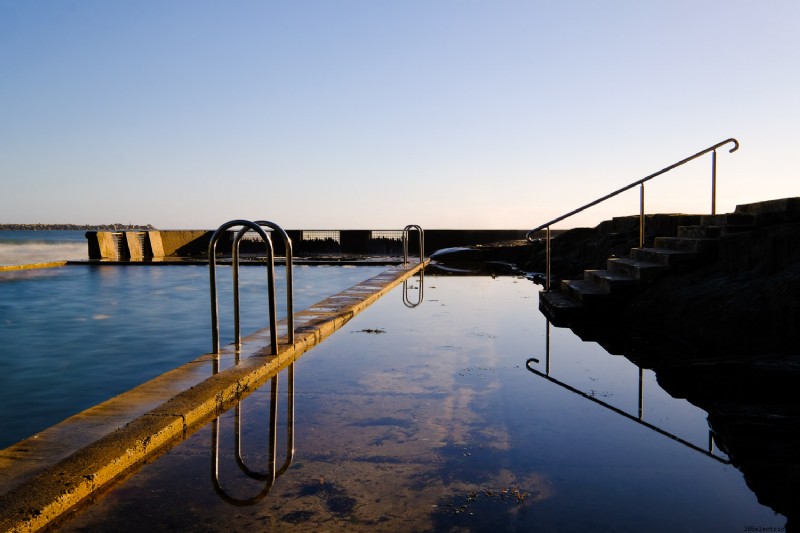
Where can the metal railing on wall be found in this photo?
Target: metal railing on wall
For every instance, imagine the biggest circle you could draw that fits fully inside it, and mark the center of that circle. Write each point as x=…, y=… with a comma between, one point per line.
x=640, y=183
x=258, y=228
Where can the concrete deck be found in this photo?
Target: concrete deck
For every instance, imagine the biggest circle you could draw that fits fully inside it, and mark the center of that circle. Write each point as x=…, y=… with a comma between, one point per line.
x=45, y=475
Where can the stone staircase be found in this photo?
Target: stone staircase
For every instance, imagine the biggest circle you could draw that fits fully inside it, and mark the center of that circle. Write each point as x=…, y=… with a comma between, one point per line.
x=600, y=290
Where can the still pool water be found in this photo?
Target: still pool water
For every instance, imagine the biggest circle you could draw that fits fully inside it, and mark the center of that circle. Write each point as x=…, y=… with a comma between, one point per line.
x=426, y=419
x=74, y=336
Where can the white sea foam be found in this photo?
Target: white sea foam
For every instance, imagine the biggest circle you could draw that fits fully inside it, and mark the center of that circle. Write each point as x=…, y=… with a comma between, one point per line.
x=23, y=253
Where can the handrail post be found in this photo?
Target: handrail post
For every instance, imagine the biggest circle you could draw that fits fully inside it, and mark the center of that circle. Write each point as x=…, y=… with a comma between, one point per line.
x=406, y=232
x=287, y=242
x=714, y=182
x=212, y=268
x=641, y=216
x=547, y=259
x=641, y=393
x=273, y=320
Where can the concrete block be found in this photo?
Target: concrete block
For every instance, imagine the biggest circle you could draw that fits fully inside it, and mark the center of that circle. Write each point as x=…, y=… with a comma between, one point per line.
x=106, y=246
x=156, y=246
x=133, y=245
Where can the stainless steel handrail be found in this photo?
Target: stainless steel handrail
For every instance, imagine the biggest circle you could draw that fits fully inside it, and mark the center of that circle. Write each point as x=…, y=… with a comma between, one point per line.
x=421, y=233
x=273, y=319
x=641, y=182
x=212, y=263
x=212, y=272
x=273, y=324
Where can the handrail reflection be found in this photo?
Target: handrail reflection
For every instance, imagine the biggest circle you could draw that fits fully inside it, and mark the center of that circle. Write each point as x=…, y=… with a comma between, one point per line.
x=272, y=473
x=623, y=413
x=406, y=300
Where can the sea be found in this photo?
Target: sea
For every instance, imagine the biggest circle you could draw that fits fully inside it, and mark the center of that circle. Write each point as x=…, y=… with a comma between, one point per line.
x=28, y=247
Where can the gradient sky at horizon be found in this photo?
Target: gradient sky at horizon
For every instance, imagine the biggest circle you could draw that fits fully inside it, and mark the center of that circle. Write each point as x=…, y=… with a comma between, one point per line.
x=371, y=114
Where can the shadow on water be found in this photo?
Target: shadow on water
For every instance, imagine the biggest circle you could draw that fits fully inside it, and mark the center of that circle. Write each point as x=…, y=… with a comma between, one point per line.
x=752, y=407
x=754, y=415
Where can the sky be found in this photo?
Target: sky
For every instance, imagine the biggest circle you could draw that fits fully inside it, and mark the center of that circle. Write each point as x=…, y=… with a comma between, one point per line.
x=371, y=114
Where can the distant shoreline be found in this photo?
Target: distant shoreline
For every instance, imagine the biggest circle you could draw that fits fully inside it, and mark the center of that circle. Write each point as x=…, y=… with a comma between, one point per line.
x=75, y=227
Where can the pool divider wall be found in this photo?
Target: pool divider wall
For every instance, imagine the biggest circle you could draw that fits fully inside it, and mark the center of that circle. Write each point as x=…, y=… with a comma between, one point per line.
x=31, y=266
x=137, y=245
x=46, y=475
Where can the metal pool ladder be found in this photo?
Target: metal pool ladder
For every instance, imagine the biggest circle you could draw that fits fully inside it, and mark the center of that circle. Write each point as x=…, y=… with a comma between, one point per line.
x=406, y=232
x=258, y=228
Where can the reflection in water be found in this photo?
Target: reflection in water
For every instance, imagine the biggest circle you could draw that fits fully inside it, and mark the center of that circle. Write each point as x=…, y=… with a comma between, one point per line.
x=752, y=408
x=638, y=419
x=407, y=301
x=271, y=474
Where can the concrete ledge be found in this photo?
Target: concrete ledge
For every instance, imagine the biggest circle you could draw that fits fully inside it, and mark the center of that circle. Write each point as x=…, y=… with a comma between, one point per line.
x=30, y=266
x=44, y=476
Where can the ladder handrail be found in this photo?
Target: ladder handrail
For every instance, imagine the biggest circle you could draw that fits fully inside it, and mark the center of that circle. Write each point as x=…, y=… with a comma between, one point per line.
x=640, y=182
x=406, y=232
x=212, y=263
x=212, y=274
x=271, y=283
x=272, y=312
x=287, y=242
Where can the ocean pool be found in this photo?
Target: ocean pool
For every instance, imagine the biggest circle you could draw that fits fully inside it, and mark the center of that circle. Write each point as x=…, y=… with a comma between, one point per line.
x=77, y=335
x=426, y=418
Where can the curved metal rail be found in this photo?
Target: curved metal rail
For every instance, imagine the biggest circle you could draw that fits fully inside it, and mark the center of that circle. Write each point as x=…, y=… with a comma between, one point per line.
x=212, y=263
x=421, y=233
x=271, y=283
x=713, y=149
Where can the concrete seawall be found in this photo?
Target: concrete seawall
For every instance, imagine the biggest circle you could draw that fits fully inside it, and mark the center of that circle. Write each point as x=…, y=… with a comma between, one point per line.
x=143, y=245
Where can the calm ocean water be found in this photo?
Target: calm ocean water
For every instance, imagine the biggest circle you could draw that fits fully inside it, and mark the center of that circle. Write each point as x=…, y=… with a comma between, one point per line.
x=24, y=247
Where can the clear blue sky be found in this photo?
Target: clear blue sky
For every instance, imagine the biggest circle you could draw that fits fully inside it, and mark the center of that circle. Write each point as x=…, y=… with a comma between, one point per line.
x=378, y=114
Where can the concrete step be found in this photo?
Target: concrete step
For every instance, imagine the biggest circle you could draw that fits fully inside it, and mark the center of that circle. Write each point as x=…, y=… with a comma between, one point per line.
x=783, y=205
x=559, y=309
x=612, y=282
x=699, y=232
x=663, y=256
x=642, y=271
x=728, y=219
x=584, y=292
x=734, y=228
x=698, y=246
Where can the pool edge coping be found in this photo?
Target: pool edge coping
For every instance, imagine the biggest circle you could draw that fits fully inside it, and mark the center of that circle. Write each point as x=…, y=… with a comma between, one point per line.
x=57, y=487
